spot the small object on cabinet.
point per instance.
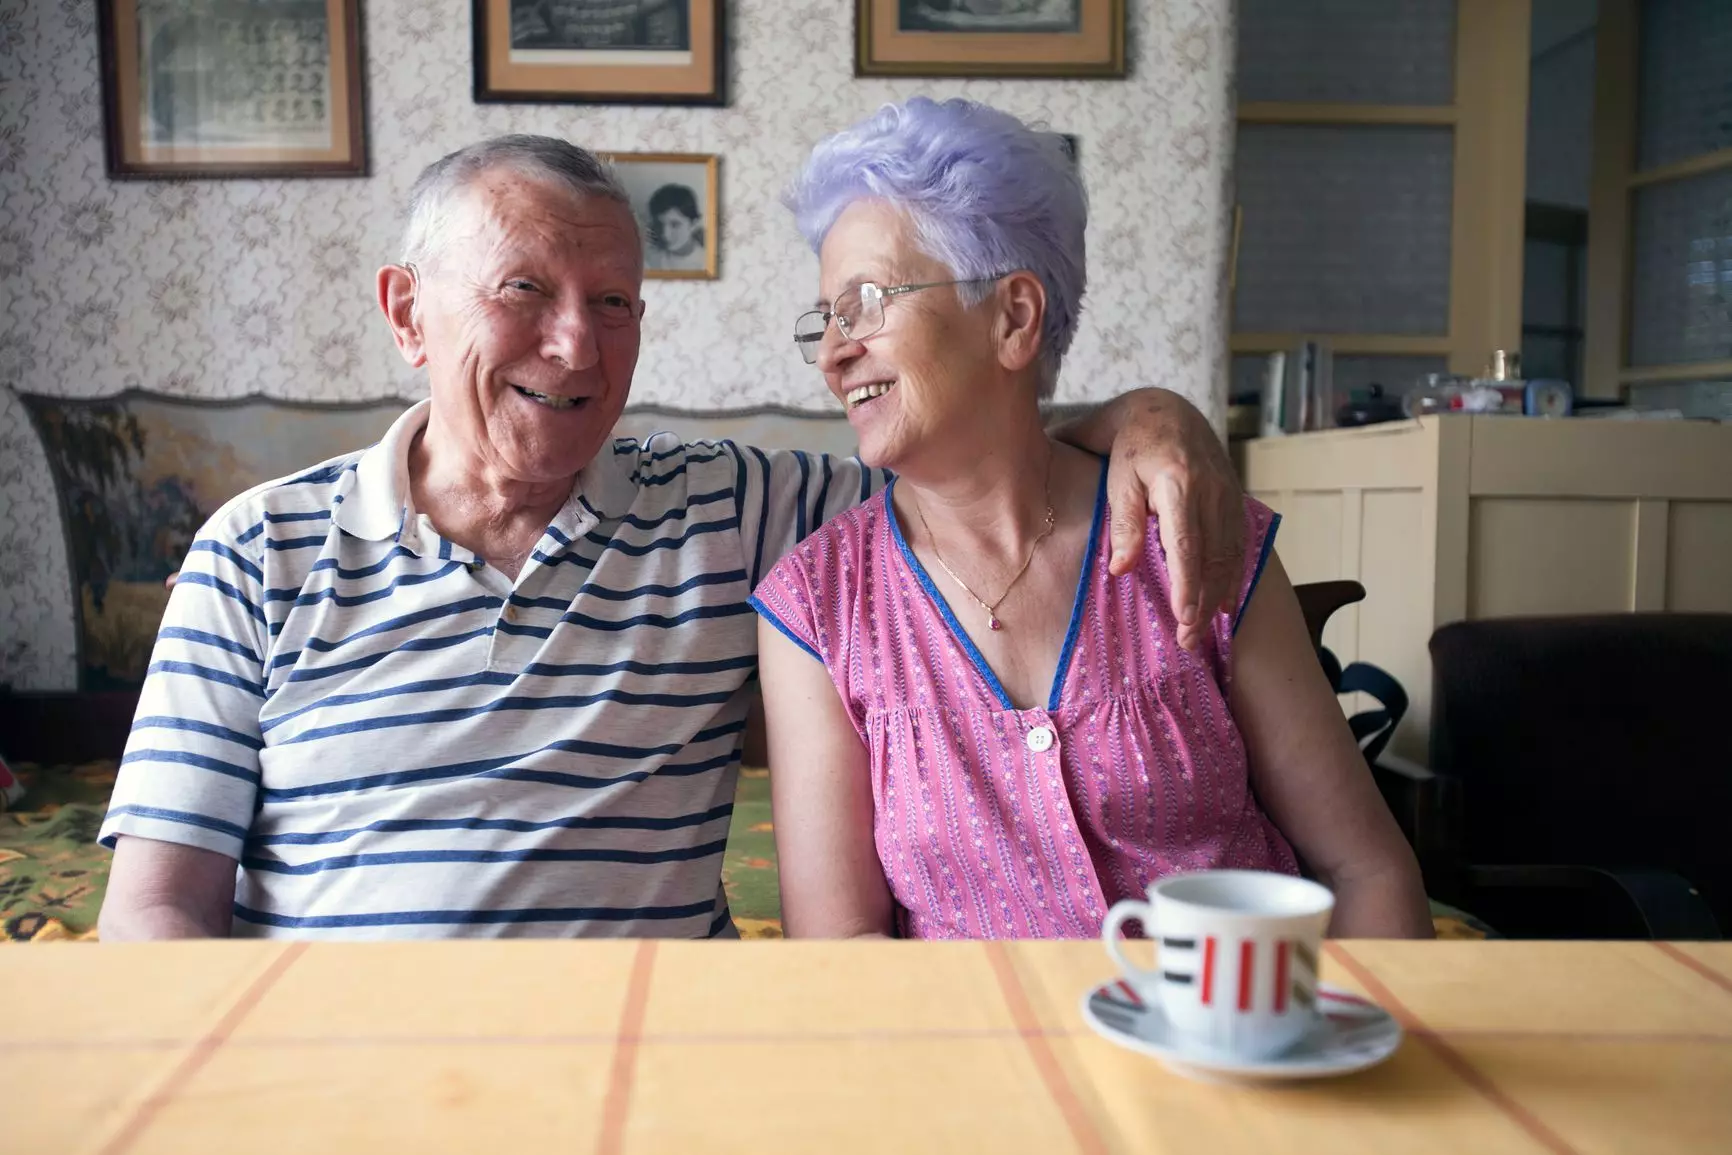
(1370, 406)
(1274, 393)
(1548, 398)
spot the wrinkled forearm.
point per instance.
(1096, 430)
(158, 921)
(1389, 903)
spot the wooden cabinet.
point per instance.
(1452, 518)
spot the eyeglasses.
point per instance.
(859, 312)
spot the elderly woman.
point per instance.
(976, 730)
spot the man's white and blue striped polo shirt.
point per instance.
(394, 739)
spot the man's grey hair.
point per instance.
(544, 158)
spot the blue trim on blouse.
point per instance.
(943, 607)
(1082, 593)
(1262, 560)
(769, 615)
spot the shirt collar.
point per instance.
(374, 499)
(374, 495)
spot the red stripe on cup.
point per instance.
(1247, 963)
(1281, 977)
(1208, 969)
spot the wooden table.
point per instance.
(249, 1048)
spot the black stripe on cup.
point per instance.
(1179, 943)
(1177, 978)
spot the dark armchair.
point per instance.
(1590, 760)
(1581, 771)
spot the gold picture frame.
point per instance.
(222, 89)
(559, 51)
(1001, 38)
(665, 188)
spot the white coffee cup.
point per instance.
(1236, 962)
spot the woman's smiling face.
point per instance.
(908, 383)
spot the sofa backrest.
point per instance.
(137, 474)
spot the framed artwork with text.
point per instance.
(232, 88)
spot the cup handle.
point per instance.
(1122, 912)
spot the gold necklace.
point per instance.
(991, 608)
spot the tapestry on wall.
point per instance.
(137, 475)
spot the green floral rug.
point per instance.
(749, 866)
(53, 874)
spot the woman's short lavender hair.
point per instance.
(986, 193)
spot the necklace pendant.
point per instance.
(992, 622)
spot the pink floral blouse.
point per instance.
(994, 822)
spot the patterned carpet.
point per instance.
(53, 874)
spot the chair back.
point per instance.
(1318, 600)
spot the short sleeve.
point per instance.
(191, 770)
(785, 494)
(1261, 522)
(785, 599)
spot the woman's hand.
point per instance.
(1167, 460)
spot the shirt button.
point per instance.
(1040, 739)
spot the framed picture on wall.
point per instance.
(600, 51)
(673, 196)
(232, 88)
(1014, 38)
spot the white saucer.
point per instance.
(1351, 1034)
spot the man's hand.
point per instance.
(1165, 457)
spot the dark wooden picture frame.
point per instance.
(561, 70)
(1085, 38)
(170, 113)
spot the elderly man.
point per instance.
(490, 675)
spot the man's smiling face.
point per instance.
(530, 312)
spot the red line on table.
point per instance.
(617, 1108)
(202, 1052)
(1696, 965)
(889, 1035)
(1076, 1116)
(1452, 1058)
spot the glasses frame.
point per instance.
(807, 343)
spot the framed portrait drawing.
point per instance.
(1013, 38)
(673, 196)
(600, 51)
(232, 88)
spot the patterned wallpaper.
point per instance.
(229, 288)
